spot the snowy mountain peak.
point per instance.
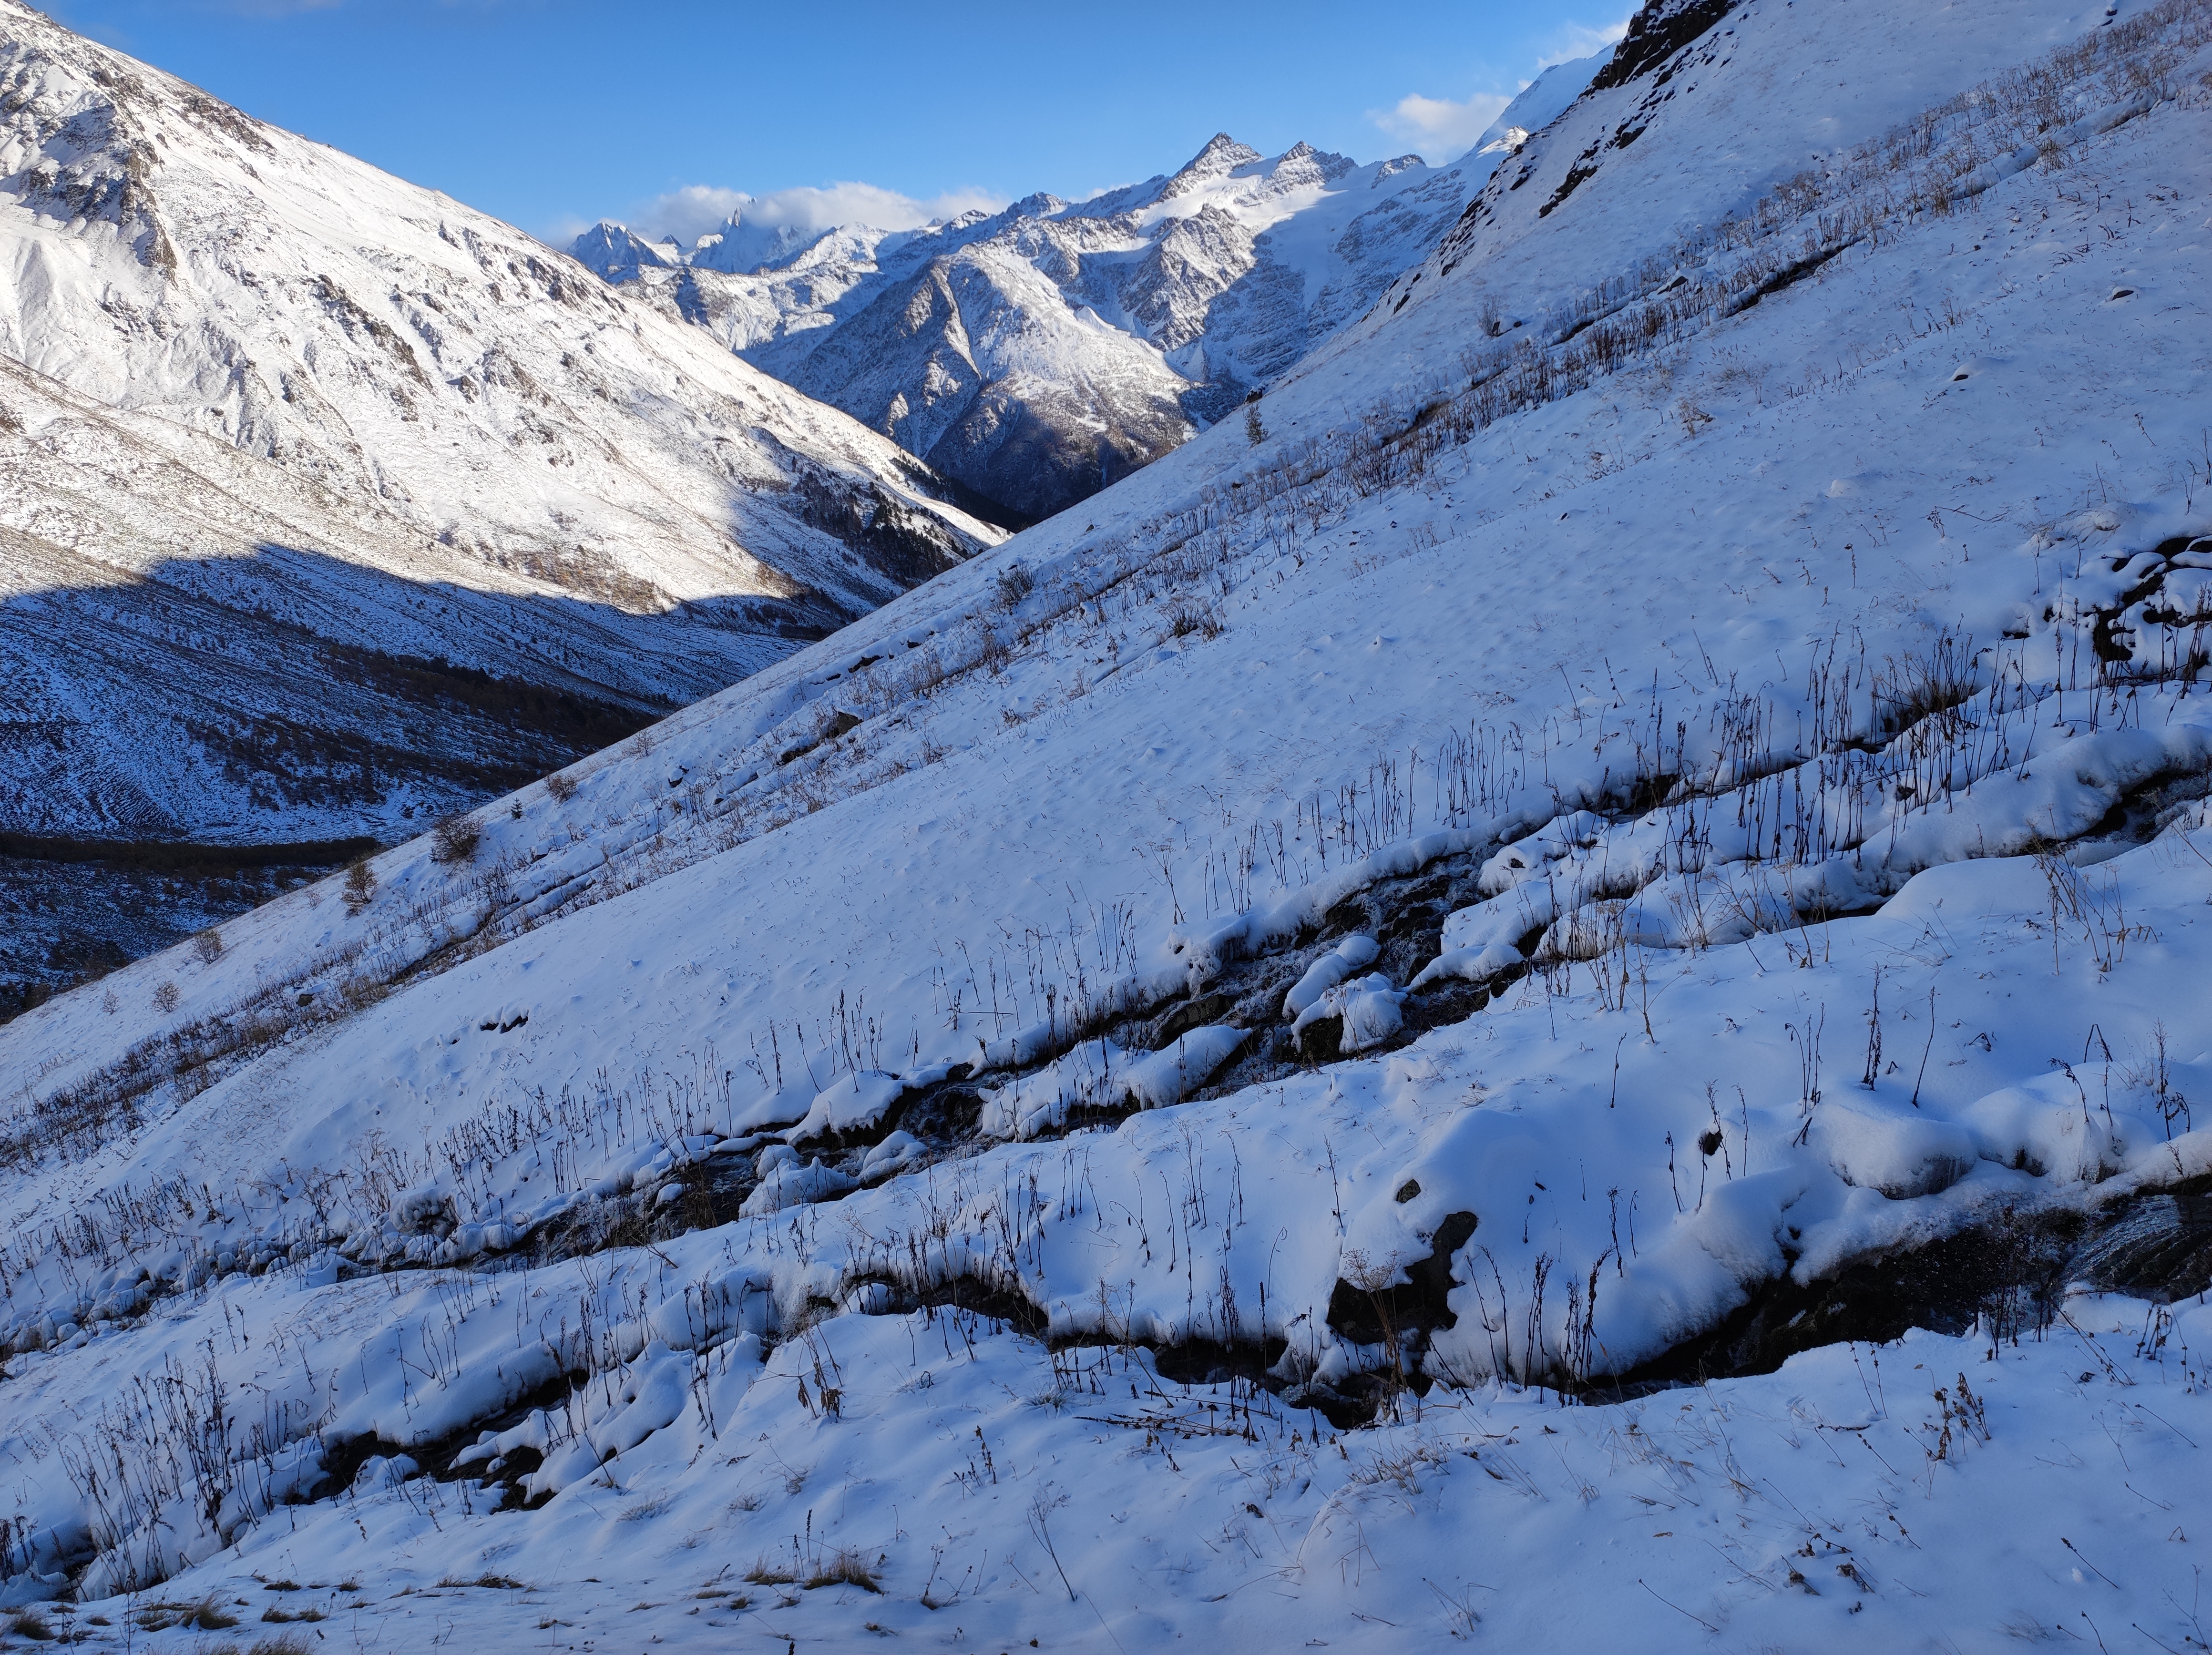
(1222, 154)
(742, 245)
(1303, 166)
(1386, 1037)
(611, 251)
(1038, 352)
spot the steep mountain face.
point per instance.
(1647, 845)
(1037, 353)
(328, 504)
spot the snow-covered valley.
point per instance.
(1553, 993)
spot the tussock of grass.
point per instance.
(844, 1568)
(206, 1615)
(285, 1643)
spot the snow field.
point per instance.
(1086, 1502)
(1852, 899)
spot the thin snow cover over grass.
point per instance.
(1148, 1067)
(936, 1475)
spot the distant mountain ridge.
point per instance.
(1038, 352)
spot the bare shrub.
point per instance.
(991, 651)
(1015, 583)
(1201, 619)
(455, 838)
(1926, 685)
(207, 1616)
(208, 945)
(562, 787)
(165, 998)
(360, 885)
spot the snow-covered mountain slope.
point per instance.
(1038, 354)
(271, 419)
(1099, 1099)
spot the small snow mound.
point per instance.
(1168, 1076)
(2048, 1127)
(379, 1472)
(1369, 1007)
(775, 1155)
(1899, 1156)
(1475, 965)
(793, 1186)
(895, 1153)
(1326, 973)
(853, 1104)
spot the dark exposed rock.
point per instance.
(2010, 1276)
(1656, 33)
(1404, 1313)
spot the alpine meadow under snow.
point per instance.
(1396, 1030)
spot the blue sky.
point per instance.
(551, 113)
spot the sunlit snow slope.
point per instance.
(327, 504)
(1651, 829)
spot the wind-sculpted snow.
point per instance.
(1038, 354)
(1572, 873)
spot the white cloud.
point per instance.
(1438, 126)
(1444, 126)
(700, 209)
(1580, 40)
